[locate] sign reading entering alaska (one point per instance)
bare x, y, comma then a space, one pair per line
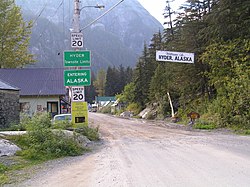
170, 56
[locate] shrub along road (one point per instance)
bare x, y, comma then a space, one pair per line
139, 153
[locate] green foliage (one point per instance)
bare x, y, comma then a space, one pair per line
15, 35
217, 85
38, 122
246, 132
45, 144
128, 94
62, 124
135, 108
41, 143
3, 168
116, 79
230, 75
91, 133
144, 72
228, 20
100, 82
3, 179
204, 125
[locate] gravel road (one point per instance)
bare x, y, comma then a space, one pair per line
135, 153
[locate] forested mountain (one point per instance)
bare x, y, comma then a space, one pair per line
117, 38
217, 85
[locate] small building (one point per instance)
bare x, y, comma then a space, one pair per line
9, 105
41, 89
102, 101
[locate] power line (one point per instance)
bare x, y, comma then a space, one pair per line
40, 12
102, 15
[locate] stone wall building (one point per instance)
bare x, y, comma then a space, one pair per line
9, 105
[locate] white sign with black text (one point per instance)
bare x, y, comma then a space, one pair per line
77, 40
170, 56
77, 94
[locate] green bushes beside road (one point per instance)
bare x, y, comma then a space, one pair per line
43, 142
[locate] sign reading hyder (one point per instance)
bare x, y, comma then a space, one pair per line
170, 56
77, 58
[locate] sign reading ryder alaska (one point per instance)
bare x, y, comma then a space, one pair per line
81, 77
77, 58
170, 56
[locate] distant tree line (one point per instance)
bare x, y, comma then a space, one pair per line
217, 85
112, 81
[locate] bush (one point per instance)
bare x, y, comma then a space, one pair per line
45, 144
3, 168
91, 133
38, 121
204, 125
40, 143
134, 108
62, 125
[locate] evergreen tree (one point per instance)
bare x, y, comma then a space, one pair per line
129, 75
14, 36
100, 81
230, 75
122, 80
229, 19
90, 91
110, 82
142, 79
139, 83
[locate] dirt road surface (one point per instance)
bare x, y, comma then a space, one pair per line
136, 153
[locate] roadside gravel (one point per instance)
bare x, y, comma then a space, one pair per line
136, 152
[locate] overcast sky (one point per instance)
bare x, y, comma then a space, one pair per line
156, 7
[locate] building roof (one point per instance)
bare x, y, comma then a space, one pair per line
35, 81
6, 86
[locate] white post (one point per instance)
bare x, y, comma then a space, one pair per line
76, 16
171, 104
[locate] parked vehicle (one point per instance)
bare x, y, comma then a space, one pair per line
61, 117
93, 108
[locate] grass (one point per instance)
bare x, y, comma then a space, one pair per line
11, 169
204, 125
3, 177
245, 132
40, 144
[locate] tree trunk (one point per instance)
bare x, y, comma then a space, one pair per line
171, 105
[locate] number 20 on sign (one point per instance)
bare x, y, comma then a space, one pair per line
76, 40
77, 94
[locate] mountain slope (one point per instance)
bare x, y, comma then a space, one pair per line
117, 38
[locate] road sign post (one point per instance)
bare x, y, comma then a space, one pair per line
79, 77
77, 40
77, 58
77, 94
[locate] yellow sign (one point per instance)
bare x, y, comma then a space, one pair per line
79, 112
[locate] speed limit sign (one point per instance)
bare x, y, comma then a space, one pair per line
76, 40
77, 94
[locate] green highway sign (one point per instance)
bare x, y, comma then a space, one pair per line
80, 77
77, 58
